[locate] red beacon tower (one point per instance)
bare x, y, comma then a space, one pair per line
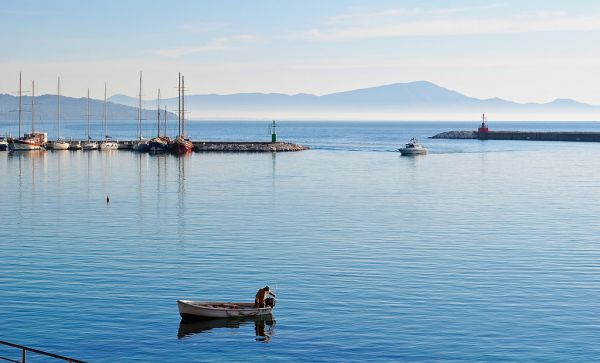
484, 125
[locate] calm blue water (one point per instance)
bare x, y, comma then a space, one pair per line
478, 251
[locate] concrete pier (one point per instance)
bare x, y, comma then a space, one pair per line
522, 135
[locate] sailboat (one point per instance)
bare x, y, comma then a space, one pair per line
108, 143
34, 140
89, 144
181, 144
60, 143
159, 143
140, 145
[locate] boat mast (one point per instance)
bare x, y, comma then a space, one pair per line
182, 106
179, 105
58, 108
88, 114
20, 103
140, 110
104, 114
32, 107
165, 130
158, 115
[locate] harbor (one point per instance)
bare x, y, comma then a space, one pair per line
181, 144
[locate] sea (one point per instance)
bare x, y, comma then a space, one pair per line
477, 251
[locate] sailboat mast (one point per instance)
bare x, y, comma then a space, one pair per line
158, 115
182, 106
88, 114
32, 107
104, 113
179, 105
140, 110
20, 103
165, 131
58, 108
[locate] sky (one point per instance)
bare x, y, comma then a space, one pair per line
525, 51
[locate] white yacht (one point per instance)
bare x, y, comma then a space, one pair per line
89, 144
3, 143
108, 143
60, 143
413, 147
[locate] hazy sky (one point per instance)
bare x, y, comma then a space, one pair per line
527, 51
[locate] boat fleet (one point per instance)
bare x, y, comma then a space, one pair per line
36, 140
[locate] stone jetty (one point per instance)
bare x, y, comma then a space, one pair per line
246, 146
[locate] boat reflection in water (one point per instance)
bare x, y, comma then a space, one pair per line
264, 326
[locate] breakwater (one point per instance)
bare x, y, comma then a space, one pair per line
224, 146
521, 135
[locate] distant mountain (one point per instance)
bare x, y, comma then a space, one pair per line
398, 101
71, 109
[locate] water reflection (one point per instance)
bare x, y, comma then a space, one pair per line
264, 327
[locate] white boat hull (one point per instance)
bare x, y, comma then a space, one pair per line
60, 145
214, 310
412, 151
109, 145
90, 146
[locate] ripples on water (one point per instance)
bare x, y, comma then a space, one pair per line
477, 251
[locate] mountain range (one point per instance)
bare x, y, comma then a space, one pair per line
71, 109
419, 100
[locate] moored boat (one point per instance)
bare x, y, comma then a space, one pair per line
181, 144
190, 310
89, 144
60, 143
108, 143
160, 143
413, 147
33, 140
3, 143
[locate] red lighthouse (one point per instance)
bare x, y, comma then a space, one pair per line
484, 126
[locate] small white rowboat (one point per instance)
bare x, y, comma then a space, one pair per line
213, 310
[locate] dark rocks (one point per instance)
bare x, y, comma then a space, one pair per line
456, 135
224, 146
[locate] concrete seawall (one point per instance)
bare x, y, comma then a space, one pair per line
522, 135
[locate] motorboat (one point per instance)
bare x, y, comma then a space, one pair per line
190, 310
61, 144
3, 143
413, 147
109, 144
90, 145
75, 145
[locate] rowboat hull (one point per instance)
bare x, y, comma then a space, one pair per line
194, 310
